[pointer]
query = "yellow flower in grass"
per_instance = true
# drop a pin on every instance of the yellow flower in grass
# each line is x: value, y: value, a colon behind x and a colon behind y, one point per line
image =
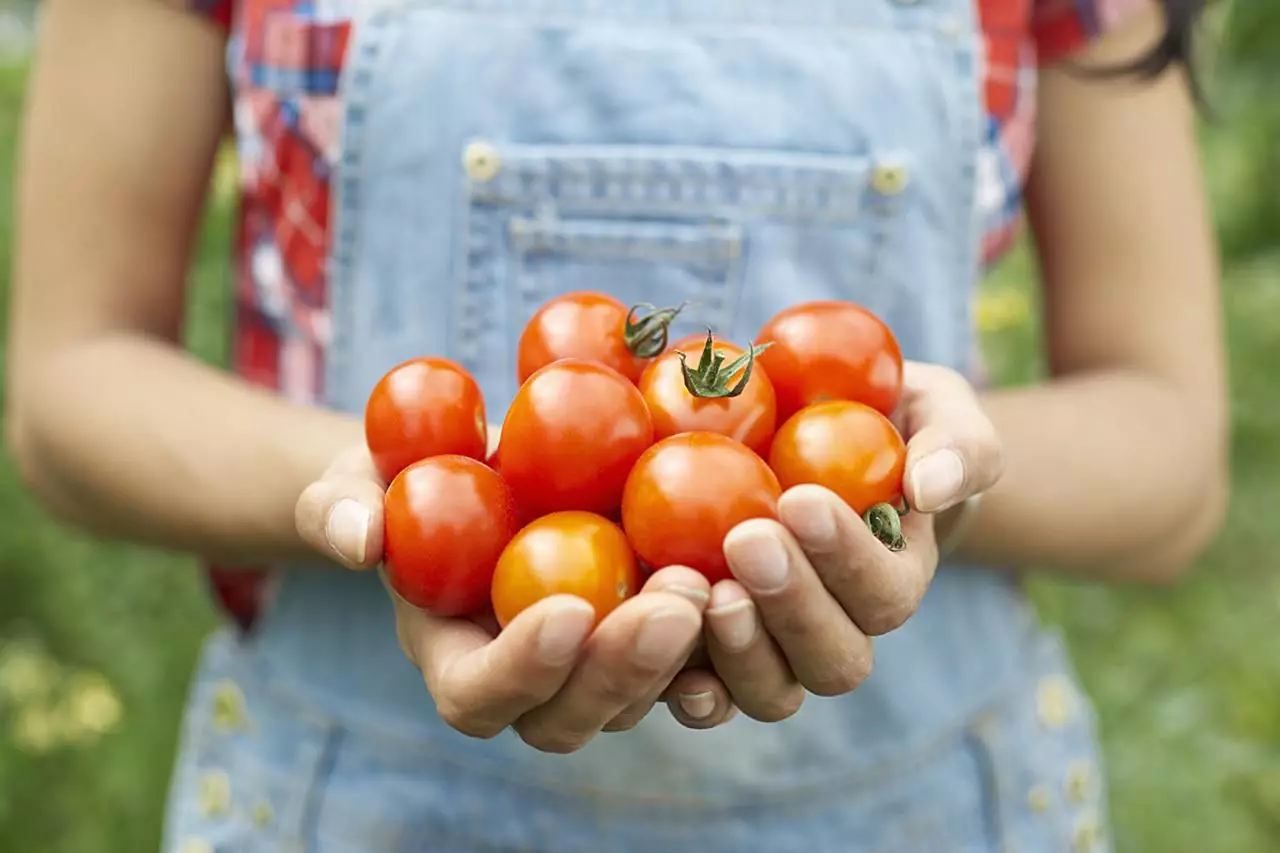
x: 27, y: 673
x: 91, y: 705
x: 1002, y: 309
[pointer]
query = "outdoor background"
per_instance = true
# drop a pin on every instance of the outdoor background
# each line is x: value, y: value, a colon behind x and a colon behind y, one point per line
x: 97, y: 641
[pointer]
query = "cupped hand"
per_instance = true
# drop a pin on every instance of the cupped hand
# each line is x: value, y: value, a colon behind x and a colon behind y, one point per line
x: 547, y: 675
x: 812, y: 591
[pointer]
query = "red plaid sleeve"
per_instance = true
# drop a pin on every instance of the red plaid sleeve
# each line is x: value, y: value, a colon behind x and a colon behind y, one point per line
x: 1061, y: 27
x: 218, y: 11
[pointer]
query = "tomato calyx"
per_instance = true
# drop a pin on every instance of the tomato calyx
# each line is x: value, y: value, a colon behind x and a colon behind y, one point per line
x: 711, y: 378
x: 646, y: 336
x: 885, y: 522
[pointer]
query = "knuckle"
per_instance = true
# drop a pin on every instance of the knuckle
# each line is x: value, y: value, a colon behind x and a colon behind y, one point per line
x: 618, y: 688
x: 777, y: 707
x: 845, y: 676
x: 625, y: 722
x: 886, y: 618
x: 557, y: 742
x: 459, y: 718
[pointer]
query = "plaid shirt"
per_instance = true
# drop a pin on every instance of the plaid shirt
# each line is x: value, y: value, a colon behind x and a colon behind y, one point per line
x: 287, y: 114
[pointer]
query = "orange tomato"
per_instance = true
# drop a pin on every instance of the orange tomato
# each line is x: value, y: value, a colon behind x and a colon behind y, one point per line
x: 572, y: 553
x: 446, y: 520
x: 750, y: 416
x: 844, y: 446
x: 831, y: 350
x: 687, y: 492
x: 420, y: 408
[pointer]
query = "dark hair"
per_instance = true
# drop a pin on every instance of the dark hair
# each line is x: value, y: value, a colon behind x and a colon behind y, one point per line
x: 1173, y: 48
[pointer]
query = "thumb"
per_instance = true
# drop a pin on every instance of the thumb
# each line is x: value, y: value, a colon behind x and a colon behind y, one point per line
x: 340, y: 515
x: 953, y: 451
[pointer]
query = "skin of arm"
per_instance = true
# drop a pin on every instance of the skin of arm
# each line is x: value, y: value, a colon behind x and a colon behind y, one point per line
x: 113, y: 426
x: 1117, y: 466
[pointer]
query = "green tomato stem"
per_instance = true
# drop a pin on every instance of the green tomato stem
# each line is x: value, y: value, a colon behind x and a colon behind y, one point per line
x: 711, y: 378
x: 646, y: 335
x: 886, y: 524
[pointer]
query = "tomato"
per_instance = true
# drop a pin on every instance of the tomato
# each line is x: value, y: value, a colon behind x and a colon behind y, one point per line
x: 572, y: 433
x: 749, y: 416
x: 424, y: 407
x: 687, y: 492
x: 831, y: 350
x: 572, y: 553
x: 847, y: 447
x: 595, y: 327
x: 447, y: 519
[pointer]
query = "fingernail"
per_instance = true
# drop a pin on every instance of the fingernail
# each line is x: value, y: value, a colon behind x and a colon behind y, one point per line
x: 734, y: 625
x: 762, y: 564
x: 936, y: 480
x: 347, y: 529
x: 698, y: 705
x: 563, y: 633
x: 816, y: 525
x: 662, y: 639
x: 699, y: 597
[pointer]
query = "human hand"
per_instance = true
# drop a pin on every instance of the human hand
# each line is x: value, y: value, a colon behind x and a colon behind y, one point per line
x: 812, y: 591
x: 547, y: 674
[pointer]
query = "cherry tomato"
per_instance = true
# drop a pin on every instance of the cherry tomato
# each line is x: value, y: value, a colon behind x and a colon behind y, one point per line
x: 847, y: 447
x: 831, y: 350
x: 572, y: 433
x: 423, y: 407
x: 595, y: 327
x: 687, y: 492
x: 572, y: 553
x: 447, y: 519
x: 749, y: 416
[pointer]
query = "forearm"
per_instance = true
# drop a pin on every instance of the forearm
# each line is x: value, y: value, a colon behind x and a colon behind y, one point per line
x: 130, y: 437
x: 1109, y: 474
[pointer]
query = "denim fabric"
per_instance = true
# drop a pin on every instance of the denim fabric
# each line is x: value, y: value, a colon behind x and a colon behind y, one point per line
x: 742, y: 154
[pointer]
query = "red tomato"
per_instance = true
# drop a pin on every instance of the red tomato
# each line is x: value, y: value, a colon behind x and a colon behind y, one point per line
x: 687, y: 492
x: 447, y: 520
x: 750, y: 416
x: 831, y: 350
x: 571, y: 553
x: 847, y: 447
x: 572, y: 433
x: 423, y: 407
x: 594, y: 327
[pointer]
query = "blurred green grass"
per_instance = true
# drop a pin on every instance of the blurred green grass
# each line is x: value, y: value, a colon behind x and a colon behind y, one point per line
x: 97, y: 640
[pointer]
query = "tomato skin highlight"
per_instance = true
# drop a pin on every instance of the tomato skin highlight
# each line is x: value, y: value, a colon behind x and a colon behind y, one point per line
x: 831, y: 350
x: 571, y: 553
x: 750, y: 417
x: 424, y: 407
x: 446, y: 521
x: 586, y: 325
x: 847, y: 447
x: 687, y: 492
x: 569, y: 440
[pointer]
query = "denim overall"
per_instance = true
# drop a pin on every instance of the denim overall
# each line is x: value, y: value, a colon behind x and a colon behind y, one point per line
x: 742, y: 154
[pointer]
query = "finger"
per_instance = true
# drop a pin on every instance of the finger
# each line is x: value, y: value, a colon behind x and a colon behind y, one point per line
x: 754, y: 669
x: 683, y: 581
x: 481, y: 684
x: 954, y: 451
x: 340, y: 515
x: 826, y: 650
x: 698, y: 699
x: 626, y: 658
x: 688, y: 584
x: 878, y: 588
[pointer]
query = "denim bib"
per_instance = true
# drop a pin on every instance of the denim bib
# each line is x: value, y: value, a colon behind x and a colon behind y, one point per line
x: 742, y: 155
